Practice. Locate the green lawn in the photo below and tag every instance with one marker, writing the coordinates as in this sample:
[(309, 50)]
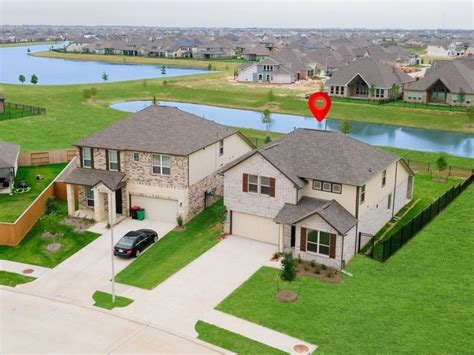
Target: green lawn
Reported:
[(32, 250), (104, 300), (416, 50), (12, 279), (175, 250), (419, 301), (232, 341), (12, 206), (25, 44), (12, 113)]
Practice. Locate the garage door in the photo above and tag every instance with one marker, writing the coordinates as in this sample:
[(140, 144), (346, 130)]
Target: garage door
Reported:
[(157, 209), (255, 227)]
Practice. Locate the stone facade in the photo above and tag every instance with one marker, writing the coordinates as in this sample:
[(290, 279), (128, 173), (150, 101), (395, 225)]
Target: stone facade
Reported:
[(196, 194)]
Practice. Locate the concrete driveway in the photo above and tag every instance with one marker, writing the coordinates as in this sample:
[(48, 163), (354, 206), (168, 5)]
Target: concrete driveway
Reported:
[(89, 270), (184, 298)]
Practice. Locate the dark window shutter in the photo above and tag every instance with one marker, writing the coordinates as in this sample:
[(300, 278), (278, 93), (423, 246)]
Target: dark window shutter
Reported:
[(80, 157), (118, 160), (106, 159), (92, 158), (303, 239), (272, 187), (332, 247), (245, 183)]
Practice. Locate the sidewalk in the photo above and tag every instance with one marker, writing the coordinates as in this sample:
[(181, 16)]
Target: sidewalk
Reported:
[(18, 268), (256, 332)]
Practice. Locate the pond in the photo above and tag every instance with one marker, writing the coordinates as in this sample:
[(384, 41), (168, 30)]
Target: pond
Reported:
[(459, 144), (51, 71)]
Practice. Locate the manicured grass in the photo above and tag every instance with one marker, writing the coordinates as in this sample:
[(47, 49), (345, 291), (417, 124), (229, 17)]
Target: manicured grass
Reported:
[(419, 301), (12, 206), (175, 250), (12, 279), (104, 300), (416, 50), (32, 249), (232, 341), (25, 44), (13, 113)]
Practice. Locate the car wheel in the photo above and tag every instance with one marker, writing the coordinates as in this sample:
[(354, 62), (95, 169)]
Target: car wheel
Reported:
[(137, 253), (155, 239)]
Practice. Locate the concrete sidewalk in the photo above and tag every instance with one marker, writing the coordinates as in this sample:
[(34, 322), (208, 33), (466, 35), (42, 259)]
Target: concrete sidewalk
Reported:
[(18, 268), (256, 332)]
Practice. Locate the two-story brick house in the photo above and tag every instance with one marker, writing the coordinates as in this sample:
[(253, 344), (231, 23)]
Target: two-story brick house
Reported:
[(161, 158), (316, 193)]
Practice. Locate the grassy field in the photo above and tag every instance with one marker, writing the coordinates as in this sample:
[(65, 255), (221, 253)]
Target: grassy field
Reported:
[(12, 113), (104, 300), (175, 250), (419, 301), (25, 44), (32, 249), (12, 206), (232, 341), (416, 50), (12, 279)]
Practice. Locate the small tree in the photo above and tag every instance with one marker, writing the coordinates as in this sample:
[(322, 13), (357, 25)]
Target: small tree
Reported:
[(163, 70), (345, 127), (93, 92), (209, 66), (395, 91), (86, 94), (267, 120), (288, 268), (34, 79), (154, 100), (22, 79), (470, 114), (268, 139), (105, 77), (372, 91), (442, 163), (271, 96), (461, 96)]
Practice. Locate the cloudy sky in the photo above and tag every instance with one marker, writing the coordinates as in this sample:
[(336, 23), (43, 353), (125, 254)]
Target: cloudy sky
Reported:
[(409, 14)]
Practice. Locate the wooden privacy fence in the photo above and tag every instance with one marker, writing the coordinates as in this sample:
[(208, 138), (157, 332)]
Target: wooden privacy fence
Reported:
[(35, 110), (450, 170), (385, 248), (48, 157)]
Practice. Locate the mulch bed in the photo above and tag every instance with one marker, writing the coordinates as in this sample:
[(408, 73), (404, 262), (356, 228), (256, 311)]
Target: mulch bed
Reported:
[(286, 296), (53, 247), (328, 274), (80, 225), (222, 237)]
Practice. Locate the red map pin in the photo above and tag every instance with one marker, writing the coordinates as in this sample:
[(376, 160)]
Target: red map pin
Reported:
[(319, 104)]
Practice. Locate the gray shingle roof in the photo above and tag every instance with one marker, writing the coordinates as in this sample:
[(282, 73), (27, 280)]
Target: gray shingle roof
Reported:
[(92, 177), (8, 154), (331, 211), (159, 129), (323, 155)]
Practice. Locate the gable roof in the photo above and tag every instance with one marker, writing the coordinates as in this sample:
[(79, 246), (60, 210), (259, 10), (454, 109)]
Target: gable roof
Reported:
[(8, 154), (372, 72), (159, 129), (93, 177), (331, 211), (322, 155)]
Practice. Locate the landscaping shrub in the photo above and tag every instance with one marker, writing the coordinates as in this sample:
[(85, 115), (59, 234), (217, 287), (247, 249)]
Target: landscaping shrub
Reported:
[(179, 220), (288, 268), (52, 206)]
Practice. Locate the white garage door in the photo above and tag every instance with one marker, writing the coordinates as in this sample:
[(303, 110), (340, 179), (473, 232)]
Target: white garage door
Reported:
[(255, 227), (157, 209)]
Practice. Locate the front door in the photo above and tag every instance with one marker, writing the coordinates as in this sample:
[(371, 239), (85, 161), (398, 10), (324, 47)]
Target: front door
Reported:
[(118, 201)]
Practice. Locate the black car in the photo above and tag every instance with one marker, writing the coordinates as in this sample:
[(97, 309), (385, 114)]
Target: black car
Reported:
[(134, 242)]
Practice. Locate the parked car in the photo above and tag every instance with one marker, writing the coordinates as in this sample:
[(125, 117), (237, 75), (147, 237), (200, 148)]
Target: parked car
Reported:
[(134, 242)]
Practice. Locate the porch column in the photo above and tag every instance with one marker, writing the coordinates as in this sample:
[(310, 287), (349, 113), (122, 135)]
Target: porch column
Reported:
[(280, 238), (71, 203), (111, 201), (98, 206)]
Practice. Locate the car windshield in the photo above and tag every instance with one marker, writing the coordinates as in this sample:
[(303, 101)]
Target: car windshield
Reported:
[(126, 241)]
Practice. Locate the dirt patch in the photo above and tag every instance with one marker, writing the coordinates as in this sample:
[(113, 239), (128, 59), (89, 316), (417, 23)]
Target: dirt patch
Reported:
[(301, 349), (319, 272), (53, 247), (47, 235), (222, 237), (287, 296), (28, 271), (179, 229), (440, 180), (80, 225)]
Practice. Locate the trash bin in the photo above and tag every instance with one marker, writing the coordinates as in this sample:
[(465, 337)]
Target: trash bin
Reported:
[(133, 211), (141, 214)]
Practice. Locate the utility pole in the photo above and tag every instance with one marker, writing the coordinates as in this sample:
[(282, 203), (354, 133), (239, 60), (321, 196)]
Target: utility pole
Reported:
[(111, 224)]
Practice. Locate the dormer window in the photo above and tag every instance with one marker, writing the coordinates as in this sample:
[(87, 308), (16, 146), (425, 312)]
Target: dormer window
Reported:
[(327, 186)]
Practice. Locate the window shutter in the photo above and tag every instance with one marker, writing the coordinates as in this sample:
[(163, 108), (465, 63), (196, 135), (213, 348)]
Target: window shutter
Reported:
[(245, 183), (272, 187), (332, 247), (106, 159), (303, 239), (80, 157), (118, 160), (92, 158)]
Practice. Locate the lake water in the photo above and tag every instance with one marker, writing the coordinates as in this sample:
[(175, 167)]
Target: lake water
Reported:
[(50, 71), (459, 144)]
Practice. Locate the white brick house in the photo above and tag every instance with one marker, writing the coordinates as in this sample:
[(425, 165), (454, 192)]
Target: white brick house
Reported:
[(314, 192), (161, 158)]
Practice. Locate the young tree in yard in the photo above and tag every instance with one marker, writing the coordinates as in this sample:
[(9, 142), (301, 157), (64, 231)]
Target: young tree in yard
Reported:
[(271, 96), (209, 66), (461, 96), (372, 91), (395, 91), (345, 127), (93, 92), (105, 77), (163, 70), (34, 79), (470, 115), (86, 94), (267, 120), (22, 78), (288, 268), (442, 163)]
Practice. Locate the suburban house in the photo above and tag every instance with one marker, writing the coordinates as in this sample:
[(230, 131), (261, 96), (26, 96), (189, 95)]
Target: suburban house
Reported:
[(367, 78), (8, 166), (268, 70), (316, 193), (447, 82), (445, 48), (256, 52), (162, 159)]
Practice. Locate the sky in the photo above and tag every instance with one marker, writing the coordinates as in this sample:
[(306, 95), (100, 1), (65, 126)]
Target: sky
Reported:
[(408, 14)]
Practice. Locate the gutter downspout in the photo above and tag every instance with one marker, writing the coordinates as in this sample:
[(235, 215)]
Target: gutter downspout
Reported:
[(342, 252), (356, 216)]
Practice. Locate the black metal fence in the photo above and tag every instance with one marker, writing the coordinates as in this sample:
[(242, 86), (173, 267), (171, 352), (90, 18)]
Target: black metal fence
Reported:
[(385, 248), (13, 110)]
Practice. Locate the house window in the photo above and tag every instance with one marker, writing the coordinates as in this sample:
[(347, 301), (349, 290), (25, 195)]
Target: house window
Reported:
[(317, 185), (389, 202), (327, 186), (336, 188), (221, 148), (113, 160), (87, 157), (260, 76), (384, 177), (318, 242), (264, 185), (90, 197), (253, 183), (337, 90), (161, 164), (342, 90), (362, 194), (136, 156), (332, 90)]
